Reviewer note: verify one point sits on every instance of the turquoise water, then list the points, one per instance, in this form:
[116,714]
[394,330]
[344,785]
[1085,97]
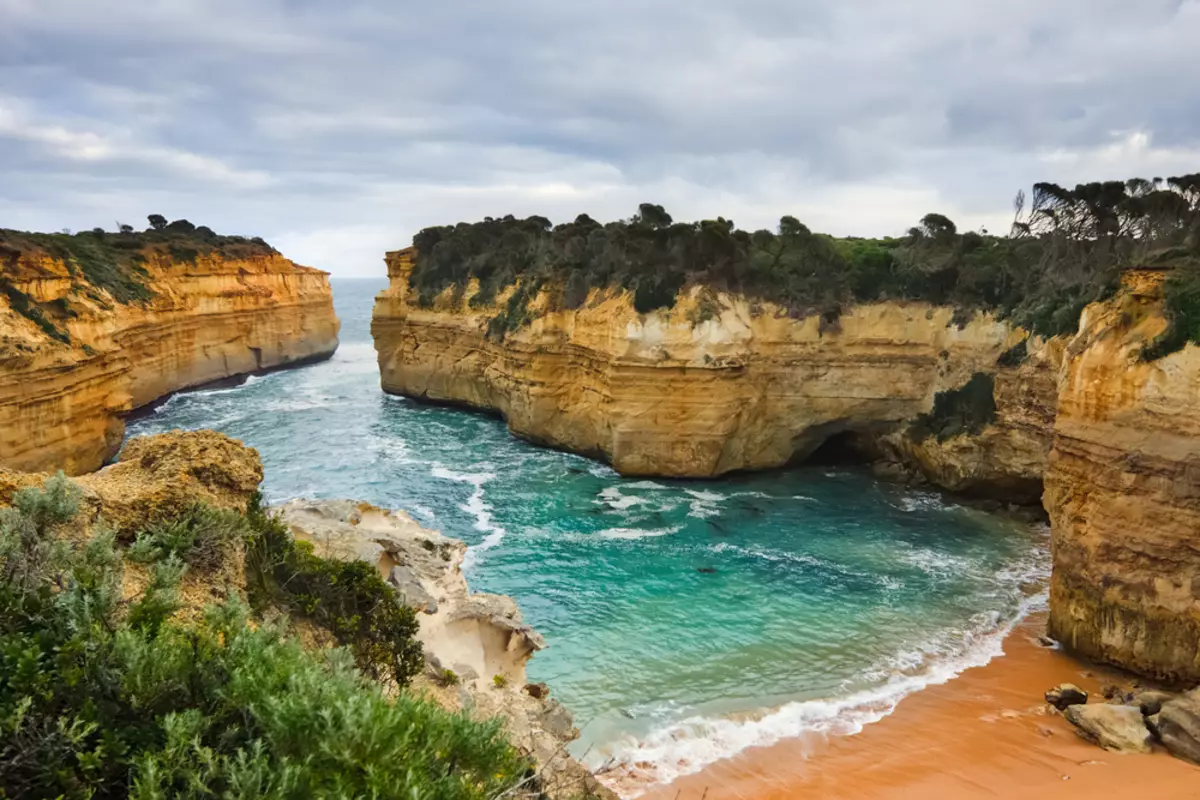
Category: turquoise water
[686,620]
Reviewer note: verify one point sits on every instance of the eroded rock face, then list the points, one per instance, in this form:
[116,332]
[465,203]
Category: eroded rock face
[480,637]
[61,405]
[1123,494]
[678,394]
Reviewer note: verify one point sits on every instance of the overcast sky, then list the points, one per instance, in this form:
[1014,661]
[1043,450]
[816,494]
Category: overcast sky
[337,128]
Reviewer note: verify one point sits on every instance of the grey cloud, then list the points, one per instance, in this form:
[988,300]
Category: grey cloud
[322,122]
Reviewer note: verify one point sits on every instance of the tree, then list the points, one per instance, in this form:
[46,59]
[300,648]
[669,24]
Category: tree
[126,229]
[181,226]
[653,215]
[157,221]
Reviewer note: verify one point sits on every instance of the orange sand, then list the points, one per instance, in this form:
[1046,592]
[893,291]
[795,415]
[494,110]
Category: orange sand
[985,734]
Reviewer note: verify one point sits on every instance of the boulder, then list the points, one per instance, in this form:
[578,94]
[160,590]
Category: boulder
[1178,726]
[1112,727]
[1151,701]
[1066,694]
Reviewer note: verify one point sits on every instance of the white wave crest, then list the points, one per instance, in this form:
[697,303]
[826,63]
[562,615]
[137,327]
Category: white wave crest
[476,507]
[632,534]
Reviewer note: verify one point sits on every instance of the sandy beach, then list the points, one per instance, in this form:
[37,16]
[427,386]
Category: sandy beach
[985,734]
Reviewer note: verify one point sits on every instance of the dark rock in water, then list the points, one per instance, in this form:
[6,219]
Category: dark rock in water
[625,712]
[575,471]
[1046,641]
[1178,726]
[1066,694]
[1151,702]
[707,570]
[537,690]
[718,527]
[1112,727]
[1116,694]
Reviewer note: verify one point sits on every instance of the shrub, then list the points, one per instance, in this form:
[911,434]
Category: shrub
[499,681]
[348,598]
[201,536]
[103,696]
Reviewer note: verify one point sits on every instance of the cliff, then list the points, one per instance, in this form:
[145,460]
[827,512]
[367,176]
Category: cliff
[1123,493]
[720,383]
[74,359]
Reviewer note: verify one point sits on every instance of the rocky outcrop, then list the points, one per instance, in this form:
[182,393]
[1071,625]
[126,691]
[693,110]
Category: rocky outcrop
[476,645]
[1007,458]
[61,403]
[718,385]
[1123,493]
[157,476]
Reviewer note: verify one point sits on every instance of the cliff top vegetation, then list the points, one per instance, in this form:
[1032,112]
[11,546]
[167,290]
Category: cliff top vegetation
[1065,249]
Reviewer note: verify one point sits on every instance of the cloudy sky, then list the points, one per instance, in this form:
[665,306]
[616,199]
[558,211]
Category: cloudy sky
[337,128]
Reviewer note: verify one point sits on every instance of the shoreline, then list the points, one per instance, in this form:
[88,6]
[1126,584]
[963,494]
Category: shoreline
[986,733]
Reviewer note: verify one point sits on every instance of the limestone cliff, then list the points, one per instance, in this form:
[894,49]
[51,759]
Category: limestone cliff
[718,384]
[1123,493]
[65,384]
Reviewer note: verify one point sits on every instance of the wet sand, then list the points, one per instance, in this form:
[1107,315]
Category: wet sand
[985,734]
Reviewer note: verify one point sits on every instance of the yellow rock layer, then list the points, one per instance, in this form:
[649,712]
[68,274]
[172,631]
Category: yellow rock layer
[675,394]
[61,406]
[1123,493]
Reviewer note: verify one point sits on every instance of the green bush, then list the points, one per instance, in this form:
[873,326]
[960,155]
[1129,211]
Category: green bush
[201,536]
[348,598]
[107,697]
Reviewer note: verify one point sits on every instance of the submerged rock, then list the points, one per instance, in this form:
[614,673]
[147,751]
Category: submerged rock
[1112,727]
[1066,694]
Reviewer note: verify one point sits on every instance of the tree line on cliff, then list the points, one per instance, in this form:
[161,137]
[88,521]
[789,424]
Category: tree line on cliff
[1065,249]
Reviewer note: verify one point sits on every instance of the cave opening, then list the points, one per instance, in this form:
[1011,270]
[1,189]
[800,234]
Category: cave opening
[845,448]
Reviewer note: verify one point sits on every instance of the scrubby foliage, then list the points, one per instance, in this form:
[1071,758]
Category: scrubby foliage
[1064,251]
[201,536]
[103,696]
[348,598]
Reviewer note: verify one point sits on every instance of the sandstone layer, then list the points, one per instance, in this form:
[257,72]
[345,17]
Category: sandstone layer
[698,391]
[62,404]
[1123,493]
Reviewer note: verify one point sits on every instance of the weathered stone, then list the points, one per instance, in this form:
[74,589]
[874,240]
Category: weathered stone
[1112,727]
[1066,694]
[1151,702]
[1178,726]
[409,587]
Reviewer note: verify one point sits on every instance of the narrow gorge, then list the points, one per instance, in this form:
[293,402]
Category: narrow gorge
[91,330]
[720,382]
